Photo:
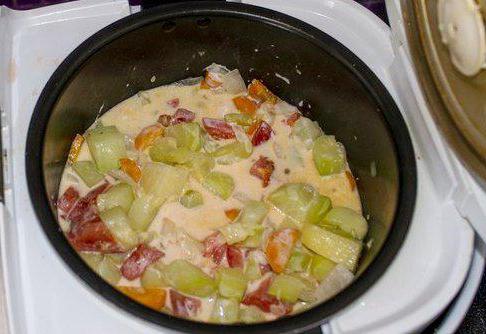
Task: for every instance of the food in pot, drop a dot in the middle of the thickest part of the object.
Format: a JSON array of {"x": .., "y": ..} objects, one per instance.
[{"x": 213, "y": 201}]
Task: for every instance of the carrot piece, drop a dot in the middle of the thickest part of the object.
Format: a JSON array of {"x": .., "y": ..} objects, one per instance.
[
  {"x": 131, "y": 168},
  {"x": 153, "y": 298},
  {"x": 258, "y": 91},
  {"x": 209, "y": 82},
  {"x": 232, "y": 213},
  {"x": 245, "y": 105},
  {"x": 279, "y": 248},
  {"x": 75, "y": 148},
  {"x": 351, "y": 180},
  {"x": 251, "y": 130},
  {"x": 148, "y": 135}
]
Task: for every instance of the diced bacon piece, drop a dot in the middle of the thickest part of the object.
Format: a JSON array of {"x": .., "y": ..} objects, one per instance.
[
  {"x": 266, "y": 302},
  {"x": 92, "y": 236},
  {"x": 218, "y": 129},
  {"x": 262, "y": 133},
  {"x": 279, "y": 248},
  {"x": 265, "y": 268},
  {"x": 182, "y": 116},
  {"x": 245, "y": 105},
  {"x": 67, "y": 201},
  {"x": 251, "y": 130},
  {"x": 258, "y": 91},
  {"x": 131, "y": 168},
  {"x": 215, "y": 247},
  {"x": 232, "y": 213},
  {"x": 235, "y": 257},
  {"x": 263, "y": 169},
  {"x": 184, "y": 306},
  {"x": 210, "y": 81},
  {"x": 153, "y": 298},
  {"x": 164, "y": 120},
  {"x": 134, "y": 266},
  {"x": 147, "y": 136},
  {"x": 75, "y": 148},
  {"x": 351, "y": 180},
  {"x": 85, "y": 209},
  {"x": 290, "y": 121},
  {"x": 174, "y": 103}
]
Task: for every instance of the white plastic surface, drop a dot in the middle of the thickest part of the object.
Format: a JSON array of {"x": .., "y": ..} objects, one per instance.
[
  {"x": 48, "y": 298},
  {"x": 462, "y": 30}
]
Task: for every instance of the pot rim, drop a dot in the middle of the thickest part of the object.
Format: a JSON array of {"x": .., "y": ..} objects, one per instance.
[{"x": 294, "y": 323}]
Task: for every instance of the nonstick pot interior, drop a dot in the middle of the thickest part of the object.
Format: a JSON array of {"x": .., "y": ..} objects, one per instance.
[{"x": 174, "y": 42}]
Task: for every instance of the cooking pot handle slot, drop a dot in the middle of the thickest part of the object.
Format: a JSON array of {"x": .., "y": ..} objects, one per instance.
[{"x": 145, "y": 4}]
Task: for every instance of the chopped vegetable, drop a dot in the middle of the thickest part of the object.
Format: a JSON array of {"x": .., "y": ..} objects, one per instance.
[
  {"x": 147, "y": 136},
  {"x": 254, "y": 240},
  {"x": 153, "y": 298},
  {"x": 298, "y": 262},
  {"x": 286, "y": 288},
  {"x": 187, "y": 135},
  {"x": 120, "y": 195},
  {"x": 184, "y": 306},
  {"x": 231, "y": 283},
  {"x": 210, "y": 81},
  {"x": 68, "y": 199},
  {"x": 334, "y": 282},
  {"x": 108, "y": 270},
  {"x": 346, "y": 220},
  {"x": 329, "y": 156},
  {"x": 200, "y": 164},
  {"x": 233, "y": 83},
  {"x": 75, "y": 148},
  {"x": 134, "y": 266},
  {"x": 252, "y": 270},
  {"x": 107, "y": 147},
  {"x": 234, "y": 233},
  {"x": 251, "y": 314},
  {"x": 321, "y": 267},
  {"x": 152, "y": 278},
  {"x": 245, "y": 105},
  {"x": 130, "y": 167},
  {"x": 119, "y": 225},
  {"x": 187, "y": 278},
  {"x": 163, "y": 181},
  {"x": 332, "y": 246},
  {"x": 240, "y": 119},
  {"x": 262, "y": 133},
  {"x": 165, "y": 150},
  {"x": 182, "y": 116},
  {"x": 220, "y": 184},
  {"x": 279, "y": 248},
  {"x": 92, "y": 259},
  {"x": 218, "y": 129},
  {"x": 263, "y": 169},
  {"x": 232, "y": 214},
  {"x": 231, "y": 153},
  {"x": 301, "y": 202},
  {"x": 258, "y": 91},
  {"x": 191, "y": 199},
  {"x": 307, "y": 131},
  {"x": 142, "y": 212},
  {"x": 253, "y": 213},
  {"x": 225, "y": 311}
]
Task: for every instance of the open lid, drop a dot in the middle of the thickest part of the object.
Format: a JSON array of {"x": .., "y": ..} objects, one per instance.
[{"x": 446, "y": 41}]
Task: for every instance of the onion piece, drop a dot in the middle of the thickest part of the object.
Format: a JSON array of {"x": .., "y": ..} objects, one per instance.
[
  {"x": 335, "y": 282},
  {"x": 233, "y": 83}
]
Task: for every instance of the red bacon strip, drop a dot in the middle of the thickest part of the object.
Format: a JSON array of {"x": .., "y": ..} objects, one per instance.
[
  {"x": 182, "y": 116},
  {"x": 135, "y": 265},
  {"x": 184, "y": 306},
  {"x": 266, "y": 302},
  {"x": 218, "y": 129},
  {"x": 174, "y": 103},
  {"x": 92, "y": 236},
  {"x": 261, "y": 134},
  {"x": 263, "y": 169},
  {"x": 235, "y": 257},
  {"x": 292, "y": 119},
  {"x": 85, "y": 209},
  {"x": 68, "y": 199}
]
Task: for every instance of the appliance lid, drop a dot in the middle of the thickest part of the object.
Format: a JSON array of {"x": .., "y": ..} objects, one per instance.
[{"x": 446, "y": 41}]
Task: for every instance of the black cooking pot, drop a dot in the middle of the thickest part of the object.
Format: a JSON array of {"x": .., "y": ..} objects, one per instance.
[{"x": 178, "y": 41}]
